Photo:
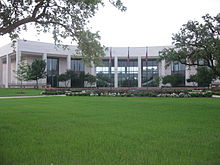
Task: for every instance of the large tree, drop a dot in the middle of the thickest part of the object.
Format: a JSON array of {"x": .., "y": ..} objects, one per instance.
[
  {"x": 62, "y": 18},
  {"x": 197, "y": 44}
]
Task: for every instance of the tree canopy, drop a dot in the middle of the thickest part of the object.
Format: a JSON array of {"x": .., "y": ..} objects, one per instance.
[
  {"x": 37, "y": 70},
  {"x": 197, "y": 44},
  {"x": 62, "y": 18}
]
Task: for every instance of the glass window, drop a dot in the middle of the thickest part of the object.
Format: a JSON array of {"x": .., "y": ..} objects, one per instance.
[
  {"x": 52, "y": 71},
  {"x": 127, "y": 73},
  {"x": 177, "y": 66},
  {"x": 179, "y": 69},
  {"x": 149, "y": 72},
  {"x": 105, "y": 74},
  {"x": 77, "y": 65}
]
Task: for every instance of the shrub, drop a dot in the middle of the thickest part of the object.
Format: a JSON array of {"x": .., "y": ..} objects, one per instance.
[{"x": 174, "y": 80}]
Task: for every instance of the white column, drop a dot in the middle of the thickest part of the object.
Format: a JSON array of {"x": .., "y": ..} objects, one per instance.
[
  {"x": 44, "y": 57},
  {"x": 8, "y": 71},
  {"x": 68, "y": 62},
  {"x": 139, "y": 71},
  {"x": 17, "y": 59},
  {"x": 1, "y": 72},
  {"x": 116, "y": 72},
  {"x": 162, "y": 69}
]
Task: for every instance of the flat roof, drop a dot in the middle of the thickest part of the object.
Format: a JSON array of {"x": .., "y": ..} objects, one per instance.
[{"x": 52, "y": 49}]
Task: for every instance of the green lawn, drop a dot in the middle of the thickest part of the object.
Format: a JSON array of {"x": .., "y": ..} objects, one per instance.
[
  {"x": 4, "y": 92},
  {"x": 109, "y": 131}
]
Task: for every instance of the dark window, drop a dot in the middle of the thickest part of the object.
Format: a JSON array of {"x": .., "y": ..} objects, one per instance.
[
  {"x": 77, "y": 65},
  {"x": 52, "y": 71},
  {"x": 179, "y": 69}
]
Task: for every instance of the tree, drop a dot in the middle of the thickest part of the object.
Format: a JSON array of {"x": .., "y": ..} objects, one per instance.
[
  {"x": 90, "y": 79},
  {"x": 203, "y": 77},
  {"x": 197, "y": 44},
  {"x": 37, "y": 70},
  {"x": 64, "y": 18},
  {"x": 174, "y": 80},
  {"x": 66, "y": 77},
  {"x": 21, "y": 73},
  {"x": 103, "y": 80}
]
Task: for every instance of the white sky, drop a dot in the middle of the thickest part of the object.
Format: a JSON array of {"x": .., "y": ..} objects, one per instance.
[{"x": 145, "y": 23}]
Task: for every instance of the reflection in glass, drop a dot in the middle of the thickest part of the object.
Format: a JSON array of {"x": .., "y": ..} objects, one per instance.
[
  {"x": 52, "y": 71},
  {"x": 149, "y": 72},
  {"x": 105, "y": 74},
  {"x": 127, "y": 73}
]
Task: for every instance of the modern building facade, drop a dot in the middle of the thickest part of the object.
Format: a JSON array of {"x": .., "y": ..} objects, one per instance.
[{"x": 122, "y": 66}]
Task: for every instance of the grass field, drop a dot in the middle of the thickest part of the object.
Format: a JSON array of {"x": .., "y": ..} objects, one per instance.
[
  {"x": 109, "y": 131},
  {"x": 4, "y": 92}
]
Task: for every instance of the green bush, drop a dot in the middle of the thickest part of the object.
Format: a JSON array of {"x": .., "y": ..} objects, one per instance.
[
  {"x": 174, "y": 80},
  {"x": 216, "y": 93},
  {"x": 200, "y": 94}
]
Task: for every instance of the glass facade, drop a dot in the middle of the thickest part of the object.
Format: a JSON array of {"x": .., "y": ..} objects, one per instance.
[
  {"x": 149, "y": 72},
  {"x": 127, "y": 73},
  {"x": 179, "y": 70},
  {"x": 105, "y": 74},
  {"x": 77, "y": 65},
  {"x": 53, "y": 71}
]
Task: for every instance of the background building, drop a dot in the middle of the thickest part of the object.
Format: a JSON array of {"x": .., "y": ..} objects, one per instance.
[{"x": 122, "y": 66}]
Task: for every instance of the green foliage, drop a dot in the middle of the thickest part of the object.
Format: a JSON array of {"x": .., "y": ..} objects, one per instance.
[
  {"x": 52, "y": 92},
  {"x": 103, "y": 80},
  {"x": 174, "y": 79},
  {"x": 89, "y": 48},
  {"x": 77, "y": 79},
  {"x": 197, "y": 42},
  {"x": 22, "y": 73},
  {"x": 90, "y": 79},
  {"x": 63, "y": 18},
  {"x": 200, "y": 94},
  {"x": 216, "y": 93},
  {"x": 66, "y": 77},
  {"x": 203, "y": 77},
  {"x": 37, "y": 70}
]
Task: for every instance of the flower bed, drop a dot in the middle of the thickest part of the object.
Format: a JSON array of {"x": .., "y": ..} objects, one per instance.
[{"x": 179, "y": 93}]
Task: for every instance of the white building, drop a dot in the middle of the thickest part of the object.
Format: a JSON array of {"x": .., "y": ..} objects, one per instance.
[{"x": 117, "y": 72}]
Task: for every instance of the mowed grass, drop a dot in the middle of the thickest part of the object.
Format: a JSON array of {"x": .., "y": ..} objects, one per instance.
[
  {"x": 5, "y": 92},
  {"x": 109, "y": 131}
]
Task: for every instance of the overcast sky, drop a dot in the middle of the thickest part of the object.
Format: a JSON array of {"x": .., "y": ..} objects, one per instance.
[{"x": 145, "y": 23}]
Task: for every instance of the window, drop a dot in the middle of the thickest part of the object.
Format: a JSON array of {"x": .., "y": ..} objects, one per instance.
[
  {"x": 149, "y": 73},
  {"x": 52, "y": 71},
  {"x": 127, "y": 73},
  {"x": 177, "y": 66},
  {"x": 179, "y": 69},
  {"x": 105, "y": 74},
  {"x": 77, "y": 65}
]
